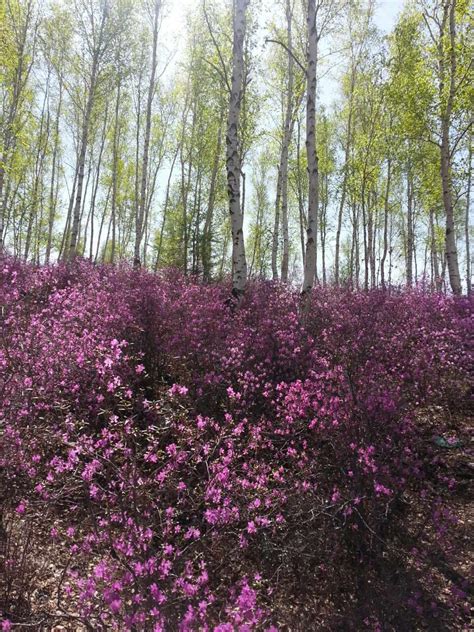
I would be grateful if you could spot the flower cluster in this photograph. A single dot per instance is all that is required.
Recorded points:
(187, 461)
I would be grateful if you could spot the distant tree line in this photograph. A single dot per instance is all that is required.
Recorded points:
(232, 157)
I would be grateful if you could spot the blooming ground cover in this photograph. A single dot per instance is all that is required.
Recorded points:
(169, 461)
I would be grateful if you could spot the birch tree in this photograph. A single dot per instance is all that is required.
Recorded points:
(95, 30)
(233, 153)
(441, 23)
(19, 29)
(142, 200)
(313, 170)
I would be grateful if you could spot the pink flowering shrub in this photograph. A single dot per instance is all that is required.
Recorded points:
(189, 459)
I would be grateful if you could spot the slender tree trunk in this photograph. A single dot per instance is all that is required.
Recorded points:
(260, 203)
(373, 258)
(185, 180)
(63, 251)
(356, 242)
(40, 220)
(91, 244)
(466, 220)
(385, 222)
(364, 232)
(276, 227)
(165, 209)
(451, 248)
(313, 170)
(414, 244)
(370, 237)
(22, 72)
(53, 194)
(390, 251)
(233, 153)
(186, 185)
(97, 178)
(445, 148)
(409, 241)
(84, 200)
(323, 222)
(150, 192)
(96, 182)
(39, 161)
(207, 232)
(137, 147)
(225, 245)
(101, 226)
(347, 149)
(76, 214)
(115, 160)
(434, 253)
(300, 195)
(140, 213)
(197, 222)
(104, 252)
(443, 273)
(425, 262)
(4, 214)
(288, 132)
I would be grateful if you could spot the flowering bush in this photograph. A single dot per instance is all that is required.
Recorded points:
(186, 463)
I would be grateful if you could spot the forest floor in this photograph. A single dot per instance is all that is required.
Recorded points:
(380, 597)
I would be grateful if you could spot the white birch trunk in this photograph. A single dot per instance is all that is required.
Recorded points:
(233, 154)
(313, 175)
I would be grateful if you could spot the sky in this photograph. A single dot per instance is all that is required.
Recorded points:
(387, 12)
(174, 25)
(385, 17)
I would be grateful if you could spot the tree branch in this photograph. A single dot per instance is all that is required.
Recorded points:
(289, 51)
(216, 45)
(460, 137)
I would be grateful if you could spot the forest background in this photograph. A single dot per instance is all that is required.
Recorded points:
(114, 122)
